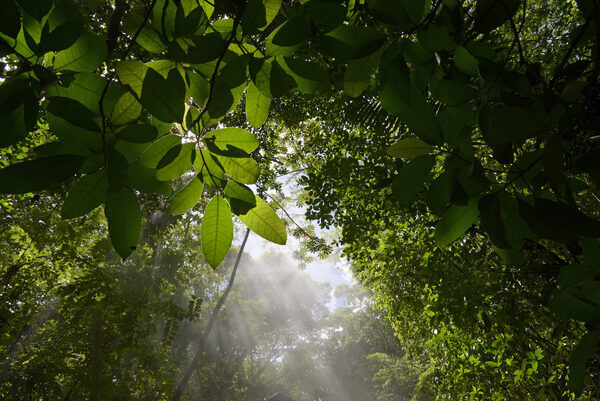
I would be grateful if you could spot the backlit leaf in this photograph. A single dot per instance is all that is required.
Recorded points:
(217, 231)
(263, 221)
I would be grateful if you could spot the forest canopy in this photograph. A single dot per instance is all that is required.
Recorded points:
(453, 144)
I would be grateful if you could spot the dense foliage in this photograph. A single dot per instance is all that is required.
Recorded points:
(453, 143)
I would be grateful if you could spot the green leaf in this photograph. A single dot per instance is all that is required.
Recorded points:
(453, 93)
(87, 54)
(308, 76)
(199, 88)
(270, 79)
(137, 133)
(87, 88)
(148, 38)
(257, 106)
(63, 28)
(440, 191)
(491, 220)
(358, 73)
(144, 180)
(217, 231)
(347, 42)
(10, 19)
(175, 162)
(85, 195)
(163, 98)
(411, 179)
(455, 222)
(263, 221)
(557, 221)
(325, 13)
(187, 198)
(506, 124)
(567, 305)
(259, 13)
(73, 112)
(36, 8)
(409, 148)
(244, 170)
(39, 174)
(209, 168)
(124, 218)
(288, 37)
(465, 62)
(584, 351)
(156, 151)
(238, 138)
(241, 198)
(400, 97)
(490, 14)
(126, 110)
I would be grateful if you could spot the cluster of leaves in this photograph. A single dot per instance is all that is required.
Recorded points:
(493, 141)
(139, 126)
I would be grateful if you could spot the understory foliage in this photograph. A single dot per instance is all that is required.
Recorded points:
(454, 144)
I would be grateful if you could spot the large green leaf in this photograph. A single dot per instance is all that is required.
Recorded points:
(347, 42)
(309, 76)
(63, 27)
(257, 106)
(154, 153)
(585, 350)
(241, 169)
(241, 198)
(137, 133)
(73, 112)
(490, 14)
(358, 73)
(86, 54)
(263, 220)
(126, 110)
(144, 180)
(409, 148)
(411, 179)
(36, 8)
(87, 88)
(10, 19)
(455, 222)
(505, 124)
(217, 231)
(148, 38)
(270, 78)
(558, 221)
(85, 195)
(259, 13)
(124, 218)
(238, 138)
(465, 61)
(491, 220)
(288, 37)
(209, 168)
(175, 162)
(38, 174)
(163, 98)
(187, 198)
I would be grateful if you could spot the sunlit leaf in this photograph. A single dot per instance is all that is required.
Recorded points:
(263, 221)
(217, 231)
(455, 222)
(187, 198)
